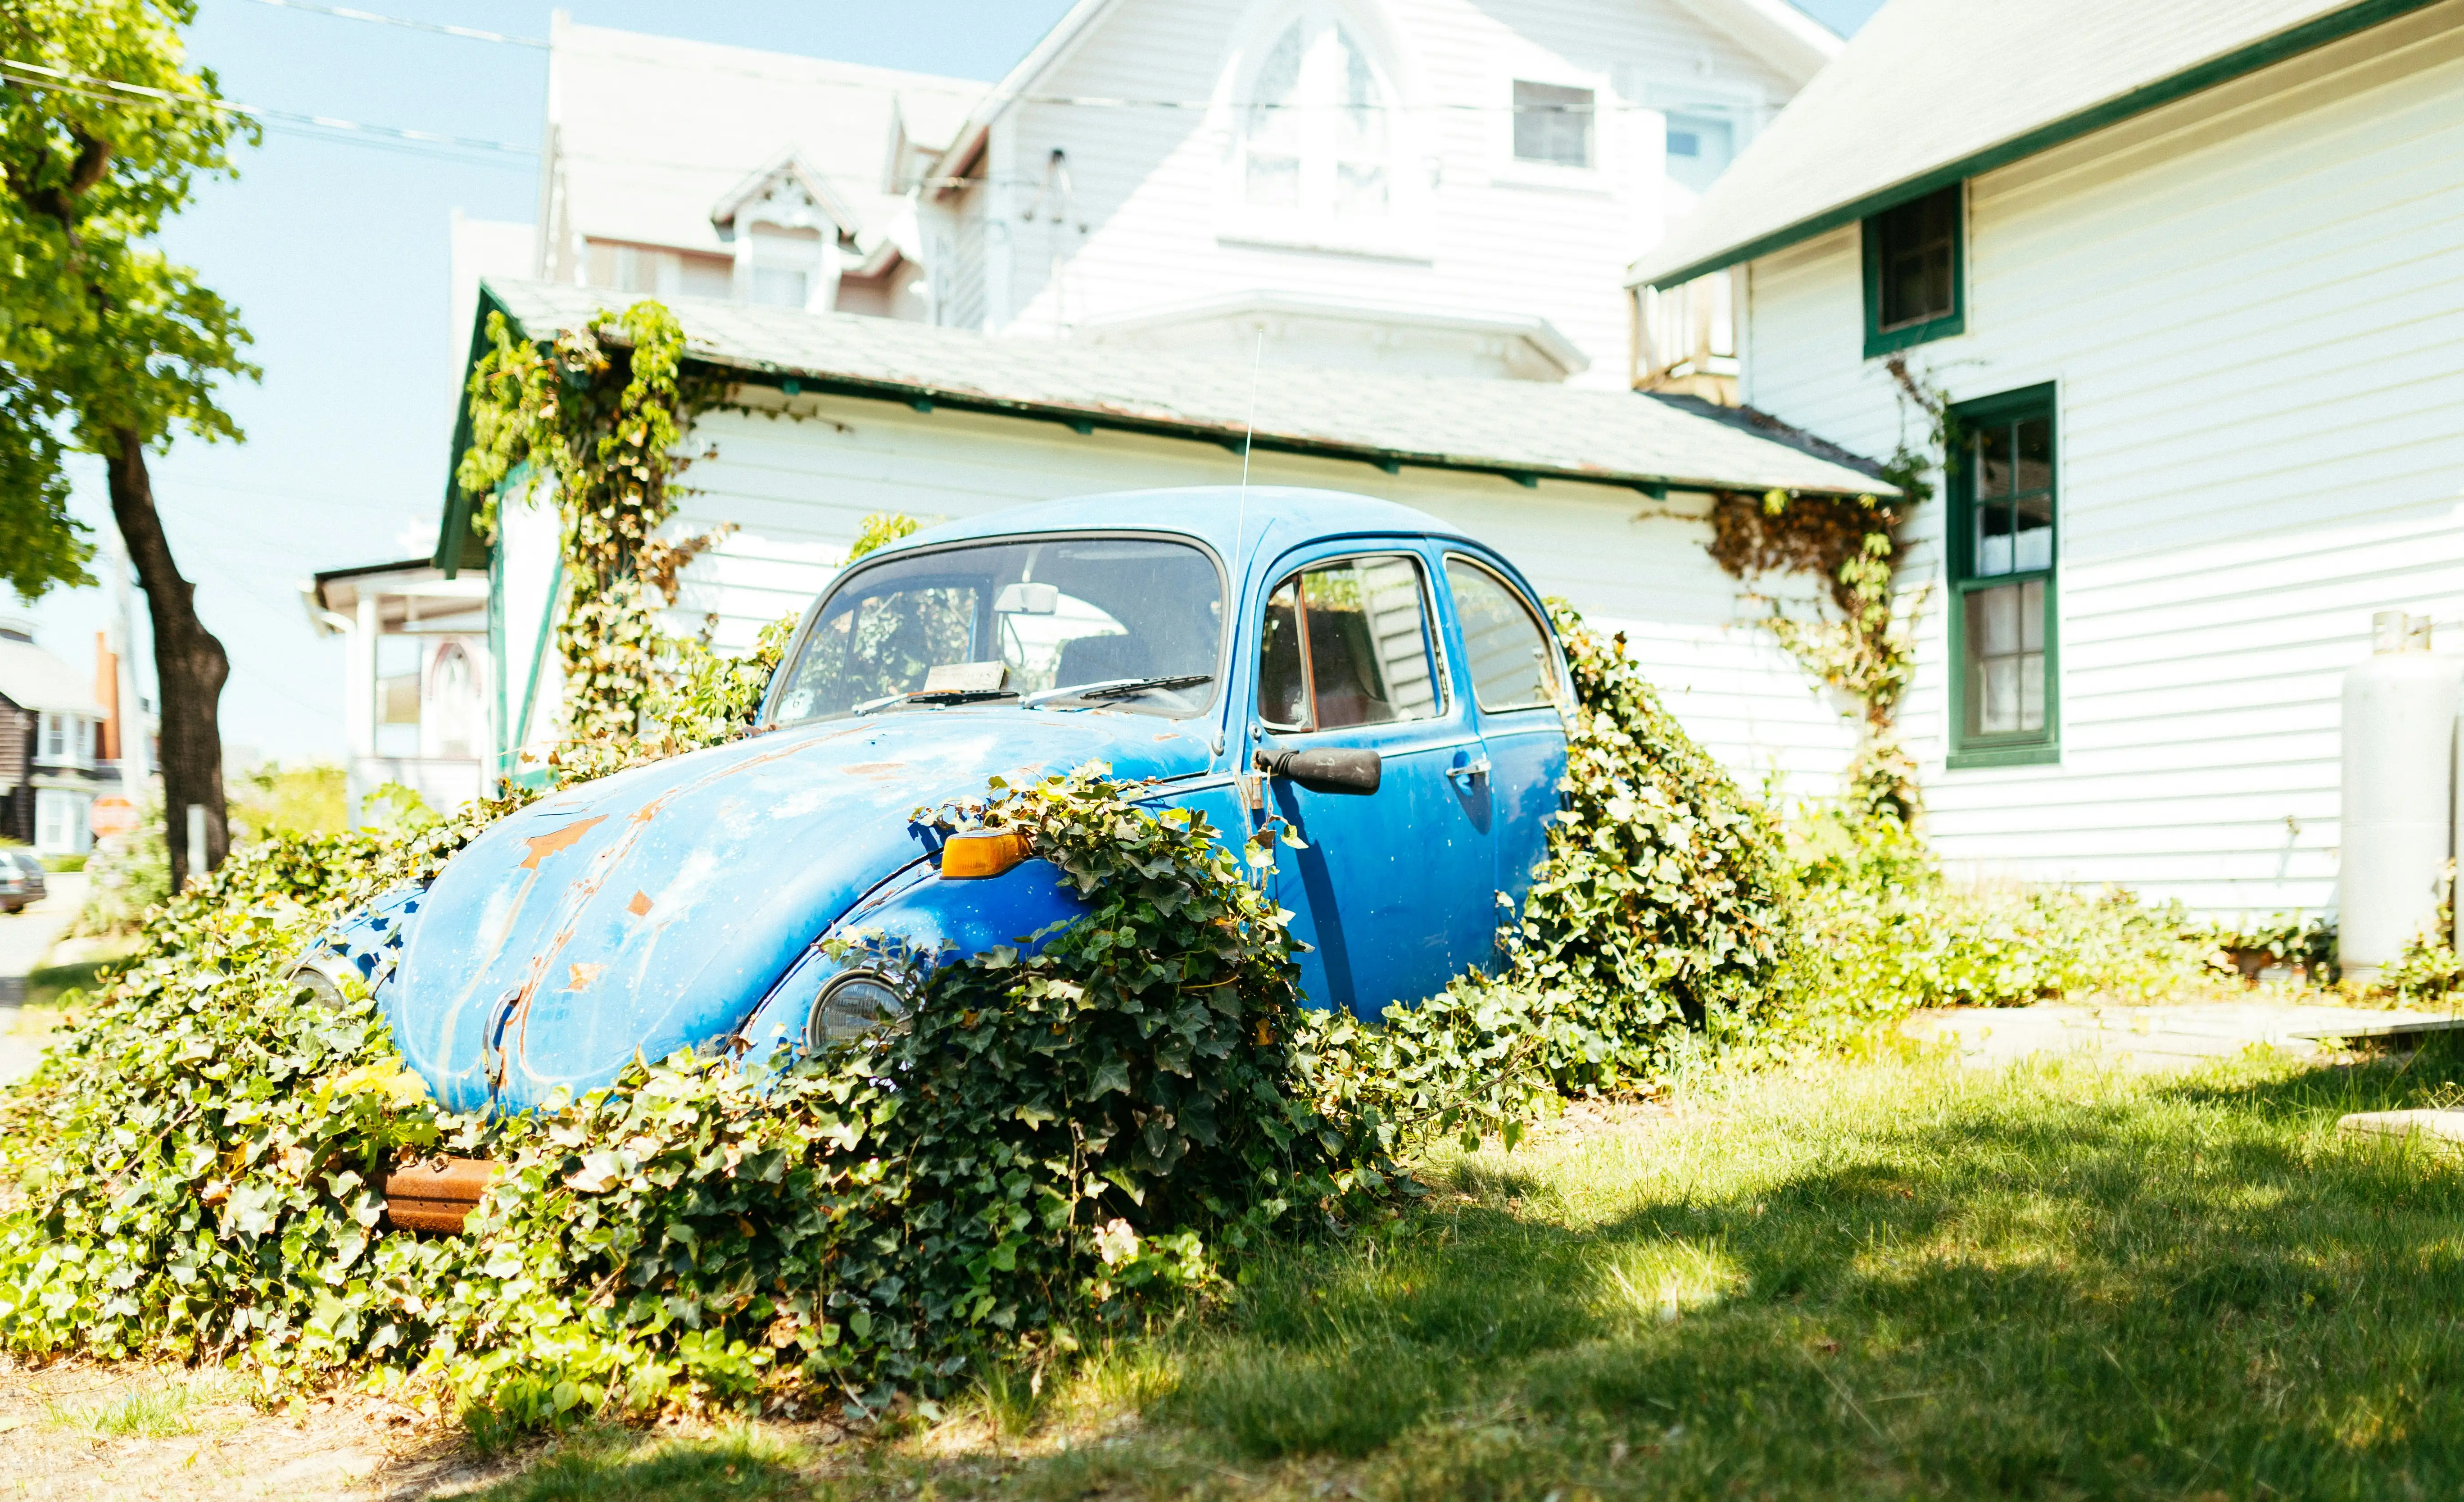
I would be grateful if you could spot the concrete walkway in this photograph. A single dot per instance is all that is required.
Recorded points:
(25, 938)
(2171, 1037)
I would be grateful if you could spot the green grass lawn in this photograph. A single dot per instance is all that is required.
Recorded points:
(1885, 1278)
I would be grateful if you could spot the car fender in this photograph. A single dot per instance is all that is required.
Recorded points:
(917, 913)
(363, 948)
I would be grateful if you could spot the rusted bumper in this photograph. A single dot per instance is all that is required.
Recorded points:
(435, 1194)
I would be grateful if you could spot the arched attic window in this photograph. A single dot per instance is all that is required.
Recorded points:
(1318, 132)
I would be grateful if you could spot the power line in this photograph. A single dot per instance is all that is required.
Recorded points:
(469, 34)
(113, 90)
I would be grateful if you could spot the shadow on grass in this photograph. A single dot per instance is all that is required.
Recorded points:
(606, 1465)
(1866, 1283)
(2051, 1286)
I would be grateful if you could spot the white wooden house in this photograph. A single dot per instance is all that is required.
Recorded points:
(2193, 277)
(1173, 192)
(1600, 495)
(1438, 187)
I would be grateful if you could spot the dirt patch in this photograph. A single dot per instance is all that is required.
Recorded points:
(81, 1429)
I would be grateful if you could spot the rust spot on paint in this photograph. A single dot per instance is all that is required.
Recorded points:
(544, 846)
(640, 906)
(583, 974)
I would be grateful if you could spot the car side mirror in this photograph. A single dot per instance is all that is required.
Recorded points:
(1345, 770)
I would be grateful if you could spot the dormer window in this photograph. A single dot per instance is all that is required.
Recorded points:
(788, 230)
(1317, 139)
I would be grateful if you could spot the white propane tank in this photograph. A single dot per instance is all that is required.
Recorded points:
(2398, 825)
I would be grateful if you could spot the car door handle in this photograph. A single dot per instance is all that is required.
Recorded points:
(1468, 770)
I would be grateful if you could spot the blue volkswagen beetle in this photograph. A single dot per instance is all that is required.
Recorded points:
(1387, 684)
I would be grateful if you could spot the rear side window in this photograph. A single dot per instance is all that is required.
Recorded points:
(1347, 642)
(1512, 666)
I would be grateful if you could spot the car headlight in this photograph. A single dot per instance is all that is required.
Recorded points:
(321, 978)
(852, 1005)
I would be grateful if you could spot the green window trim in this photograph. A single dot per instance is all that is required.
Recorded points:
(1881, 339)
(2005, 471)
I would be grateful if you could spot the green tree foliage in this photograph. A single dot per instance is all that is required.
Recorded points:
(105, 344)
(309, 799)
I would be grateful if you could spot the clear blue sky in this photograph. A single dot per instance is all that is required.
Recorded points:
(336, 253)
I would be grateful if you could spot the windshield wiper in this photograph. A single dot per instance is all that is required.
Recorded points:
(934, 696)
(1126, 687)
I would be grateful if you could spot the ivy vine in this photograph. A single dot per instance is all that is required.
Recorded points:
(1864, 644)
(599, 415)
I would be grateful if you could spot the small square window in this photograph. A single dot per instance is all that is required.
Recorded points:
(1552, 124)
(1914, 282)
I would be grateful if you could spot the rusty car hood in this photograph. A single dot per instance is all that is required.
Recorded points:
(656, 908)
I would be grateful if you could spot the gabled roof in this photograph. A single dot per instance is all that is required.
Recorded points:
(1793, 43)
(1524, 429)
(787, 170)
(32, 679)
(1933, 92)
(649, 132)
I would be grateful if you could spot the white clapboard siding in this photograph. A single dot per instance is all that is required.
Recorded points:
(1150, 184)
(2253, 304)
(795, 490)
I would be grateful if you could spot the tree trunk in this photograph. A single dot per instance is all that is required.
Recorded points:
(189, 667)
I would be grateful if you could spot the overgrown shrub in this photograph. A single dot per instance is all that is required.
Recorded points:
(1659, 927)
(194, 1168)
(2287, 939)
(193, 1173)
(2428, 970)
(1886, 932)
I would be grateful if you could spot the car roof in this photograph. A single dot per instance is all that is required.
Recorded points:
(1262, 522)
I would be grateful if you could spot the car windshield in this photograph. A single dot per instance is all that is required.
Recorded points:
(1140, 619)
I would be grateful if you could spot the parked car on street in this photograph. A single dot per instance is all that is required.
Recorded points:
(22, 882)
(1386, 683)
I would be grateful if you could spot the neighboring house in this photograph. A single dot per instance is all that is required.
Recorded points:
(2191, 277)
(418, 679)
(59, 745)
(1415, 188)
(1431, 187)
(1600, 495)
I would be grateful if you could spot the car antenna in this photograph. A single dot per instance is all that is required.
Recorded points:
(1248, 435)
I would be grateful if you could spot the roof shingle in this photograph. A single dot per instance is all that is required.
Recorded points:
(1520, 428)
(1928, 85)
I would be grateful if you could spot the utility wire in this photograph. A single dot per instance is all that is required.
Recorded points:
(35, 75)
(1075, 100)
(468, 33)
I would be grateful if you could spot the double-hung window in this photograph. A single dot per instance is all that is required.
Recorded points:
(2005, 696)
(1916, 276)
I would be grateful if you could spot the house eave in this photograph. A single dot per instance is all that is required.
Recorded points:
(2197, 78)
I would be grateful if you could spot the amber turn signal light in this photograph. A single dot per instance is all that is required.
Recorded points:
(983, 852)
